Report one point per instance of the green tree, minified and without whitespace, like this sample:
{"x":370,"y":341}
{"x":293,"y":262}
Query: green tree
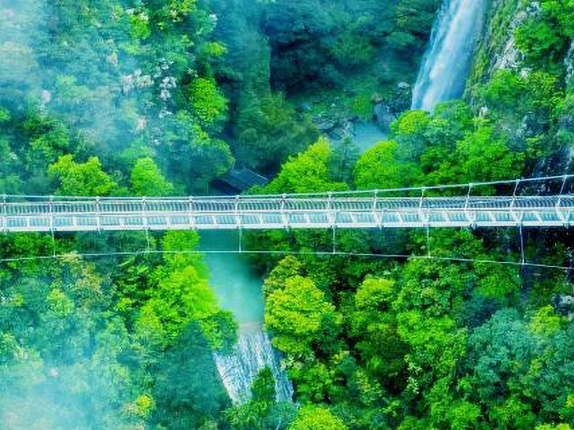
{"x":496,"y":370}
{"x":147,"y":179}
{"x":188,"y":390}
{"x":262,"y":412}
{"x":287,"y":268}
{"x":544,"y":38}
{"x":414,"y":18}
{"x":207,"y":102}
{"x":317,"y":418}
{"x":185,"y":296}
{"x":540,"y":40}
{"x":308,"y":172}
{"x":269,"y":131}
{"x":193,"y":156}
{"x":554,"y":427}
{"x":480,"y":156}
{"x":374,"y":325}
{"x":179,"y":247}
{"x":296,"y":314}
{"x":81,"y":179}
{"x":379,"y":168}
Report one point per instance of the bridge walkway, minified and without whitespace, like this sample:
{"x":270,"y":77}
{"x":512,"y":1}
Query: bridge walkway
{"x":59,"y":214}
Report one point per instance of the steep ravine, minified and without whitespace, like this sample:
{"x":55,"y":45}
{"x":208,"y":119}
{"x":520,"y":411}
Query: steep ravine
{"x":239,"y":290}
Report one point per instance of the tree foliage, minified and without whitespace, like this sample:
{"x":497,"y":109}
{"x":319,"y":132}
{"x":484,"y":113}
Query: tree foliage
{"x":157,"y":98}
{"x":81,"y":179}
{"x":147,"y":179}
{"x":296,"y":315}
{"x":315,"y":418}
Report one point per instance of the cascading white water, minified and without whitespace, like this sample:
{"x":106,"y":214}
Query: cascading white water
{"x":253,"y":353}
{"x":448,"y":59}
{"x":240,"y":291}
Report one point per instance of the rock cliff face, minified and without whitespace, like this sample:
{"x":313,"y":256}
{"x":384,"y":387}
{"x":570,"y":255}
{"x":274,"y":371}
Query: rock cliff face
{"x":496,"y":50}
{"x":569,"y":64}
{"x":566,"y":122}
{"x":497,"y":47}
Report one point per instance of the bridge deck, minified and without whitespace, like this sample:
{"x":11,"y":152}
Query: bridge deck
{"x":264,"y":213}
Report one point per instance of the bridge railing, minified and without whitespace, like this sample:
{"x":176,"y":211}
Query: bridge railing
{"x":291,"y":204}
{"x":164,"y":214}
{"x":550,"y":204}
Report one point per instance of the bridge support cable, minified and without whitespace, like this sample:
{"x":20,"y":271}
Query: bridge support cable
{"x":471,"y":218}
{"x":334,"y":239}
{"x":239,"y":223}
{"x":513,"y":203}
{"x":52,"y":233}
{"x":240,"y":242}
{"x":570,"y":268}
{"x":567,"y":269}
{"x":98,"y":215}
{"x":330,"y":215}
{"x":421,"y":203}
{"x":284,"y":217}
{"x":190,"y":213}
{"x":145,"y":222}
{"x":332,"y":220}
{"x":559,"y":211}
{"x":522,"y":251}
{"x":379,"y":216}
{"x":4,"y":215}
{"x":429,"y":252}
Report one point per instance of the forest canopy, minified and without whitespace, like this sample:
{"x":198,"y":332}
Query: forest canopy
{"x":156,"y":98}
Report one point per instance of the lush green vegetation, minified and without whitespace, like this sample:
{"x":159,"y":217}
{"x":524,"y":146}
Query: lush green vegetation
{"x":161,"y":97}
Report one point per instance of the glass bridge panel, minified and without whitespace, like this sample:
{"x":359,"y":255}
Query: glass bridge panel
{"x":16,"y":222}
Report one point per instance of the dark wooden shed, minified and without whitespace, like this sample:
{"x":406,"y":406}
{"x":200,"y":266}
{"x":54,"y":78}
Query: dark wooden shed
{"x":239,"y":180}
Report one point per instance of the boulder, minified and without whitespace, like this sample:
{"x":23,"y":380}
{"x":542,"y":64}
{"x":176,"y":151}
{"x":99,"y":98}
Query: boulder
{"x":384,"y":116}
{"x":376,"y":98}
{"x":341,"y":131}
{"x":324,"y":124}
{"x":305,"y":107}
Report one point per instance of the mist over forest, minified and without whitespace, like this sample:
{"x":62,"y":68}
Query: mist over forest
{"x":454,"y":329}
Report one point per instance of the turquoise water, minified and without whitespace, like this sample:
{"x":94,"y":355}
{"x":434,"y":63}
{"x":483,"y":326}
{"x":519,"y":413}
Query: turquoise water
{"x":367,"y":135}
{"x":238,"y":288}
{"x":240,"y":291}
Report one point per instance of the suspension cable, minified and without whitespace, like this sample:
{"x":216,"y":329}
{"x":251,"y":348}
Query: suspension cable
{"x":318,"y":194}
{"x":287,"y":253}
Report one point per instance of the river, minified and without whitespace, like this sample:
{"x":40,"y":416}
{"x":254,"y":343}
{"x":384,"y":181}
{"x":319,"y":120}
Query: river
{"x":367,"y":135}
{"x":239,"y":290}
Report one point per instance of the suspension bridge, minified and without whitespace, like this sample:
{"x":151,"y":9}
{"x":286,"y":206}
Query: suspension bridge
{"x":344,"y":210}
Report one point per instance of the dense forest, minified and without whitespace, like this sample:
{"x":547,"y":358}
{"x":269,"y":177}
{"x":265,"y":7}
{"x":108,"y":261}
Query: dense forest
{"x":164,"y":97}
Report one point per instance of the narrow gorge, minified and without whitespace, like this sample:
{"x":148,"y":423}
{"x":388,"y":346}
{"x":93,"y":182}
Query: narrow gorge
{"x":134,"y":297}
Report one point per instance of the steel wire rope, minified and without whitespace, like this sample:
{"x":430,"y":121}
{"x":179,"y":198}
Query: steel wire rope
{"x":318,"y":194}
{"x":286,"y":253}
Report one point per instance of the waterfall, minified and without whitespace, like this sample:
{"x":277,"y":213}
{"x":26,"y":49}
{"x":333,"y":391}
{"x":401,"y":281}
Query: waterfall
{"x":449,"y":57}
{"x":239,"y":290}
{"x":253,"y":353}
